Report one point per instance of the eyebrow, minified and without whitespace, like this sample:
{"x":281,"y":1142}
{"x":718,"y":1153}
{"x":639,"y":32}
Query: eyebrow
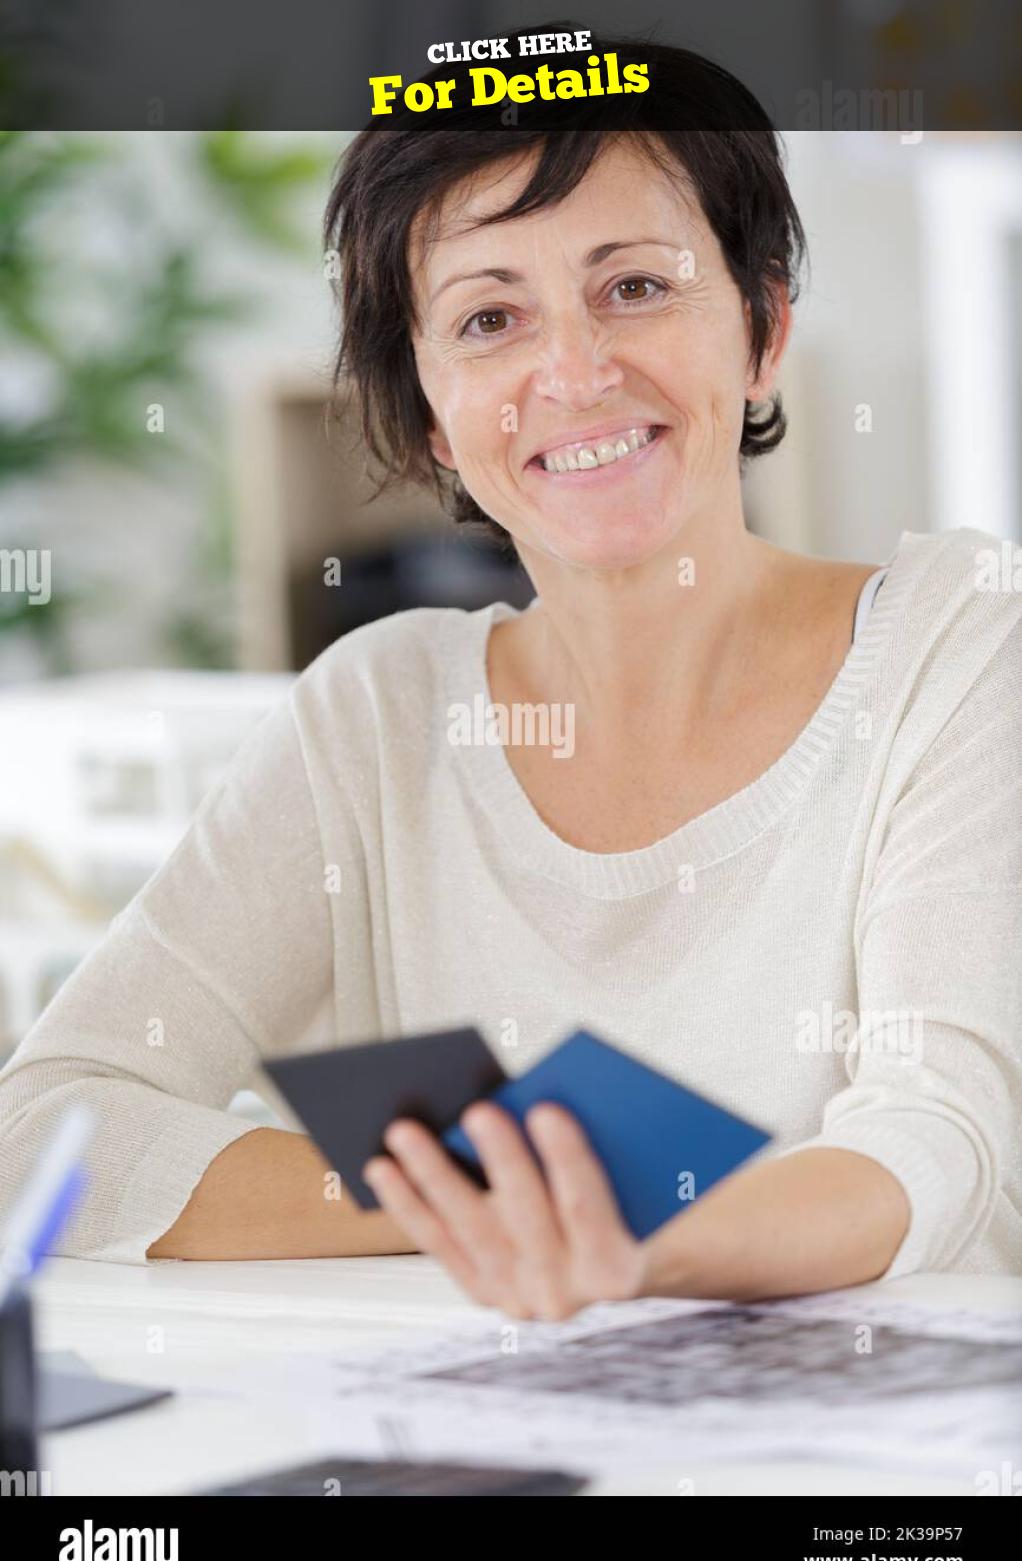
{"x":593,"y":258}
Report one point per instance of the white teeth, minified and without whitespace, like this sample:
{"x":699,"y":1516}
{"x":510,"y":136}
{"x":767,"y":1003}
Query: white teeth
{"x":602,"y":453}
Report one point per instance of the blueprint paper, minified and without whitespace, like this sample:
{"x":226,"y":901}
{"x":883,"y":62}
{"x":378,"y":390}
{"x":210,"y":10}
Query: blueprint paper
{"x":829,"y":1378}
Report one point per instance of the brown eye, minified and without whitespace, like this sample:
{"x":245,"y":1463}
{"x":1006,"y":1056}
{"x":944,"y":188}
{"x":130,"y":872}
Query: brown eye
{"x":637,"y":289}
{"x":490,"y":322}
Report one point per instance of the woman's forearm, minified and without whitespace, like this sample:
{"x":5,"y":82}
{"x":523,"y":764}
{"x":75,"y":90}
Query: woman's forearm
{"x":265,"y":1196}
{"x":819,"y":1219}
{"x":816,"y":1220}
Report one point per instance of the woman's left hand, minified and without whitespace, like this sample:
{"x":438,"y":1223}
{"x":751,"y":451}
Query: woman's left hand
{"x":533,"y":1248}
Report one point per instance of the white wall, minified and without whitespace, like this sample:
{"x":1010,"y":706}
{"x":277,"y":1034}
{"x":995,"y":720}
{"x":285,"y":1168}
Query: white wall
{"x":858,"y":341}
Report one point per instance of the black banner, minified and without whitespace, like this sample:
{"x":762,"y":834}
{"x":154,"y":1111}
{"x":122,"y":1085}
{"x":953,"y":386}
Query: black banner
{"x":844,"y":65}
{"x":789,"y":1528}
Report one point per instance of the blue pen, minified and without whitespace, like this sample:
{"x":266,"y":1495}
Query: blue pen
{"x":51,"y":1193}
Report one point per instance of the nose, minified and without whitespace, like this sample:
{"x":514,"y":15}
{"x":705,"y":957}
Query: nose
{"x":574,"y":368}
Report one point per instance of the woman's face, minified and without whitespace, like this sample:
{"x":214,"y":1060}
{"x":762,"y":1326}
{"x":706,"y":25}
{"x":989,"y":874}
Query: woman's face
{"x":604,"y":334}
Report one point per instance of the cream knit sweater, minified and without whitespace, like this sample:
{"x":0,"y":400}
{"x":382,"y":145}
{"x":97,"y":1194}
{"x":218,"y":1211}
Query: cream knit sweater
{"x":358,"y":875}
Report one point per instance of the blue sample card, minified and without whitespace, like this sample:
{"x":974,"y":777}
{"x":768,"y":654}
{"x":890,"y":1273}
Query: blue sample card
{"x":661,"y":1145}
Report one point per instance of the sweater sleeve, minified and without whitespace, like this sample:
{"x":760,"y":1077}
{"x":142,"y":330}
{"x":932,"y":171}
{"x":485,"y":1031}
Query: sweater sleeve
{"x":221,"y":958}
{"x":939,"y":1045}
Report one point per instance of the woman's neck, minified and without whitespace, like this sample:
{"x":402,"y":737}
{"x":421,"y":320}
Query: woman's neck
{"x":662,"y":643}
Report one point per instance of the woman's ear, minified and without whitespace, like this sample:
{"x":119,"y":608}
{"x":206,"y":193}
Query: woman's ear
{"x":758,"y":386}
{"x":440,"y":449}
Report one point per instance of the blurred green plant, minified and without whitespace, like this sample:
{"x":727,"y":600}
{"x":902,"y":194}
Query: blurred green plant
{"x":47,"y":624}
{"x":161,"y":312}
{"x":257,"y":181}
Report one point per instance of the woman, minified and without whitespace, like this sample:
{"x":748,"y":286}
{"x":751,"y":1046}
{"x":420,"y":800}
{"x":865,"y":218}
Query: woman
{"x":759,"y":829}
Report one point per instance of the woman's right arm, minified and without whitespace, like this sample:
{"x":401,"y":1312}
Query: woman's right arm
{"x":224,"y":957}
{"x":264,"y":1196}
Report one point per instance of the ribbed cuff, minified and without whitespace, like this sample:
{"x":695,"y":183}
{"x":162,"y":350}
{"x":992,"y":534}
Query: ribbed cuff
{"x":919,"y":1170}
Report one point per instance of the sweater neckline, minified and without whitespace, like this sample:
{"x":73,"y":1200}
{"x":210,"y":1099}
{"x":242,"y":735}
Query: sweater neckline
{"x":709,"y":837}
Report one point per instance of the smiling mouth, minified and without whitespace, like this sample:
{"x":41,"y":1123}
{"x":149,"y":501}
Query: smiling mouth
{"x":583,"y":456}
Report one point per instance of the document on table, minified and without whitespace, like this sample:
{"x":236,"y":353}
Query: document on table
{"x":891,"y":1386}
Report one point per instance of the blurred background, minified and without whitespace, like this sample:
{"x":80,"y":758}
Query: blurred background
{"x":185,"y":521}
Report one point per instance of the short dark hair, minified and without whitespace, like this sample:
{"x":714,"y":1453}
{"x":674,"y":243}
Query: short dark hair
{"x":387,"y":178}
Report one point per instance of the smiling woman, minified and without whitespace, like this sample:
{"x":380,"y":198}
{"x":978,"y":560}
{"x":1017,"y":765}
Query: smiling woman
{"x":725,"y":232}
{"x":792,"y":787}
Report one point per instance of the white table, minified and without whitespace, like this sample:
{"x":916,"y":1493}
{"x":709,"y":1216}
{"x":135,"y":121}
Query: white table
{"x":189,"y":1325}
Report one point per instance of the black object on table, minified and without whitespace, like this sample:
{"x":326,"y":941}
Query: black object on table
{"x":397,"y":1477}
{"x":18,"y":1402}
